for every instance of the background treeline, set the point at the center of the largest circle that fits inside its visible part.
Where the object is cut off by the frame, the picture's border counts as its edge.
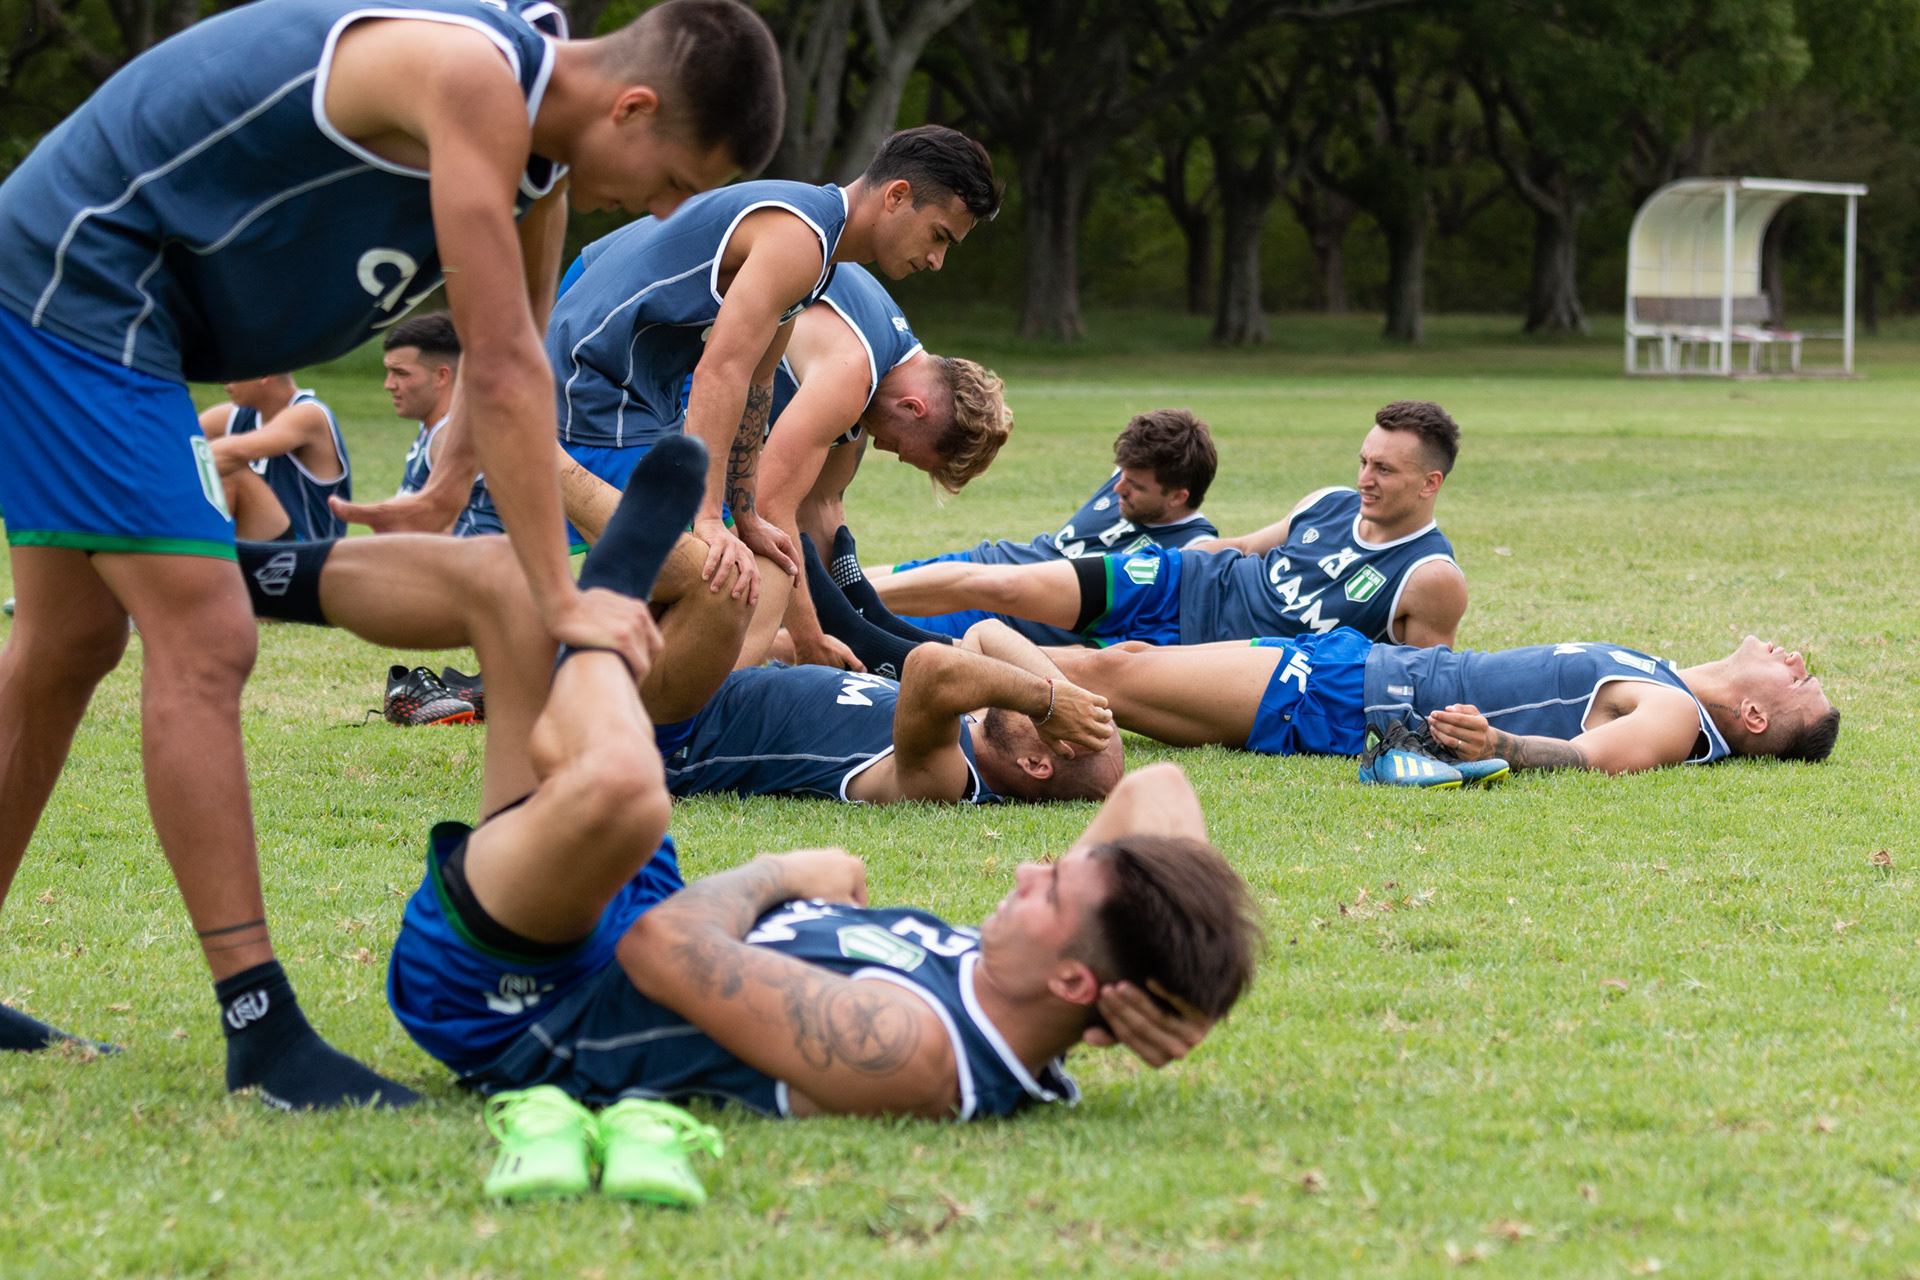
(1239, 157)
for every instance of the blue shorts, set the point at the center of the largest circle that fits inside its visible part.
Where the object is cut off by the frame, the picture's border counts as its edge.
(615, 466)
(669, 738)
(100, 457)
(1143, 598)
(463, 1001)
(945, 557)
(605, 1041)
(1315, 703)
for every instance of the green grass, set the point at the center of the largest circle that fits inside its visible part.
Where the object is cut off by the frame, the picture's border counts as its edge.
(1666, 1017)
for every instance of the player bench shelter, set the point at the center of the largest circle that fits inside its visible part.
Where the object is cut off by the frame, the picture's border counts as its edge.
(1693, 276)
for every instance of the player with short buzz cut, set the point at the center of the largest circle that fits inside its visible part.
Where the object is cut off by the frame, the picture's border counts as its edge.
(353, 155)
(421, 356)
(711, 295)
(281, 457)
(854, 375)
(1371, 558)
(1164, 463)
(1432, 717)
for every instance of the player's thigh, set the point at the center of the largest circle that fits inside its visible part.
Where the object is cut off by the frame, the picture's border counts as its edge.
(1047, 592)
(67, 623)
(196, 622)
(1181, 696)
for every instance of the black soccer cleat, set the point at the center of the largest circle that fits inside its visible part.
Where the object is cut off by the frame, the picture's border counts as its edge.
(417, 697)
(462, 685)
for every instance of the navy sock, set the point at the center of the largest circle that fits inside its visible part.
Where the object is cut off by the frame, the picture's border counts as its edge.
(860, 593)
(881, 652)
(271, 1045)
(23, 1034)
(663, 494)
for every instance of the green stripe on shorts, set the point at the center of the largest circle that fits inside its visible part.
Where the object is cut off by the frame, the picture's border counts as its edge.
(111, 542)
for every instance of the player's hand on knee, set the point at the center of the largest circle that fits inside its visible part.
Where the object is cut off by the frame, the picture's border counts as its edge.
(729, 560)
(1080, 721)
(408, 513)
(1462, 730)
(602, 619)
(825, 651)
(770, 540)
(833, 875)
(1137, 1021)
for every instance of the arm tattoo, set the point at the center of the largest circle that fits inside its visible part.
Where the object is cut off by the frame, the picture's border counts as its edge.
(1538, 753)
(743, 459)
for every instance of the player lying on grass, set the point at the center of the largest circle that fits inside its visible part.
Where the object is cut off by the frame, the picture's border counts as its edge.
(710, 295)
(280, 456)
(1369, 558)
(1586, 705)
(854, 374)
(264, 191)
(1164, 463)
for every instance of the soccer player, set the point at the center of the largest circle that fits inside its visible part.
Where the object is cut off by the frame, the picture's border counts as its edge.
(854, 374)
(710, 295)
(1164, 463)
(350, 155)
(280, 456)
(967, 724)
(1585, 705)
(1370, 558)
(421, 355)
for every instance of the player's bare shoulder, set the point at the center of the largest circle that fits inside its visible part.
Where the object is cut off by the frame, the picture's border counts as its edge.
(385, 76)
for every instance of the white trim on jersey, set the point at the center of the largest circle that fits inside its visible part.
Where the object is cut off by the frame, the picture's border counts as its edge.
(1421, 532)
(856, 771)
(984, 1024)
(1406, 576)
(826, 250)
(969, 1099)
(334, 33)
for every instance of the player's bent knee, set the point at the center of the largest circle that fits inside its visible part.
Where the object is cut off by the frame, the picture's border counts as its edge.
(622, 791)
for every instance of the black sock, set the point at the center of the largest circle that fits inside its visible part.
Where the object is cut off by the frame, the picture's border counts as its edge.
(881, 652)
(860, 593)
(662, 495)
(23, 1034)
(283, 579)
(270, 1044)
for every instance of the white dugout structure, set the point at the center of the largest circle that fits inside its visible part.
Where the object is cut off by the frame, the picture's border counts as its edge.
(1693, 277)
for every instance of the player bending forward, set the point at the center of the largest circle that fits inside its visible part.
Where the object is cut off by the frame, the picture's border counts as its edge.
(1587, 705)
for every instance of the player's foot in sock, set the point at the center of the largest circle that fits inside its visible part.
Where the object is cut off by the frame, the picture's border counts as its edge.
(643, 1147)
(272, 1048)
(1395, 758)
(418, 697)
(468, 687)
(545, 1137)
(866, 601)
(22, 1033)
(881, 652)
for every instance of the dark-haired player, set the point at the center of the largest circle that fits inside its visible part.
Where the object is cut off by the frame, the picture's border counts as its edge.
(1584, 705)
(350, 154)
(710, 295)
(1163, 464)
(280, 456)
(421, 355)
(1370, 558)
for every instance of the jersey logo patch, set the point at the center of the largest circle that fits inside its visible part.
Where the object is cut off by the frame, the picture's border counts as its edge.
(276, 575)
(210, 487)
(1103, 504)
(519, 992)
(1638, 664)
(871, 942)
(1144, 570)
(900, 323)
(1311, 535)
(1364, 584)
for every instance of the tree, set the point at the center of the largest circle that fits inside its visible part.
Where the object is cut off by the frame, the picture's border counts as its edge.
(1169, 175)
(1325, 215)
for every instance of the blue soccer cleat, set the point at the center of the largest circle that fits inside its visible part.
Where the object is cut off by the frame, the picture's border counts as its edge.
(1481, 773)
(1395, 758)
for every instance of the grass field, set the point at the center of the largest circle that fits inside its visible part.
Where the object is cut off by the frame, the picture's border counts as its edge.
(1571, 1027)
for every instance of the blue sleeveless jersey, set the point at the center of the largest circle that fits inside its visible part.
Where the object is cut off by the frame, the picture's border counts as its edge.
(632, 322)
(875, 318)
(608, 1041)
(479, 516)
(302, 496)
(795, 731)
(199, 218)
(1543, 691)
(1324, 576)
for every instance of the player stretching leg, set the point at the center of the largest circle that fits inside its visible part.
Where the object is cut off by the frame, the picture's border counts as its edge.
(349, 153)
(1585, 705)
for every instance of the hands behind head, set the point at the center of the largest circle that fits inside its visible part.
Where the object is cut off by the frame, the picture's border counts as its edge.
(833, 875)
(1155, 1035)
(1080, 721)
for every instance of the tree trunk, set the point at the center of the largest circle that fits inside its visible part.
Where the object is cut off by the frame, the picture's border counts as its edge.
(1406, 277)
(897, 54)
(1199, 234)
(1555, 300)
(1325, 215)
(813, 62)
(1053, 190)
(1246, 193)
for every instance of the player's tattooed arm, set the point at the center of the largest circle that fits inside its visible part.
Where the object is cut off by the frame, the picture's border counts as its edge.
(1538, 753)
(743, 458)
(1462, 730)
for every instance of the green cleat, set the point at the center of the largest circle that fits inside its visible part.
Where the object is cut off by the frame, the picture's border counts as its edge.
(643, 1148)
(543, 1144)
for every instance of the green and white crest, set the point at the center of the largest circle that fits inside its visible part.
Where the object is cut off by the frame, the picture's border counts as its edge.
(871, 942)
(1143, 570)
(1363, 585)
(210, 485)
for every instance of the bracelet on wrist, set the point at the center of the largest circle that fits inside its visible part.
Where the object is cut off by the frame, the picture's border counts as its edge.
(1043, 719)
